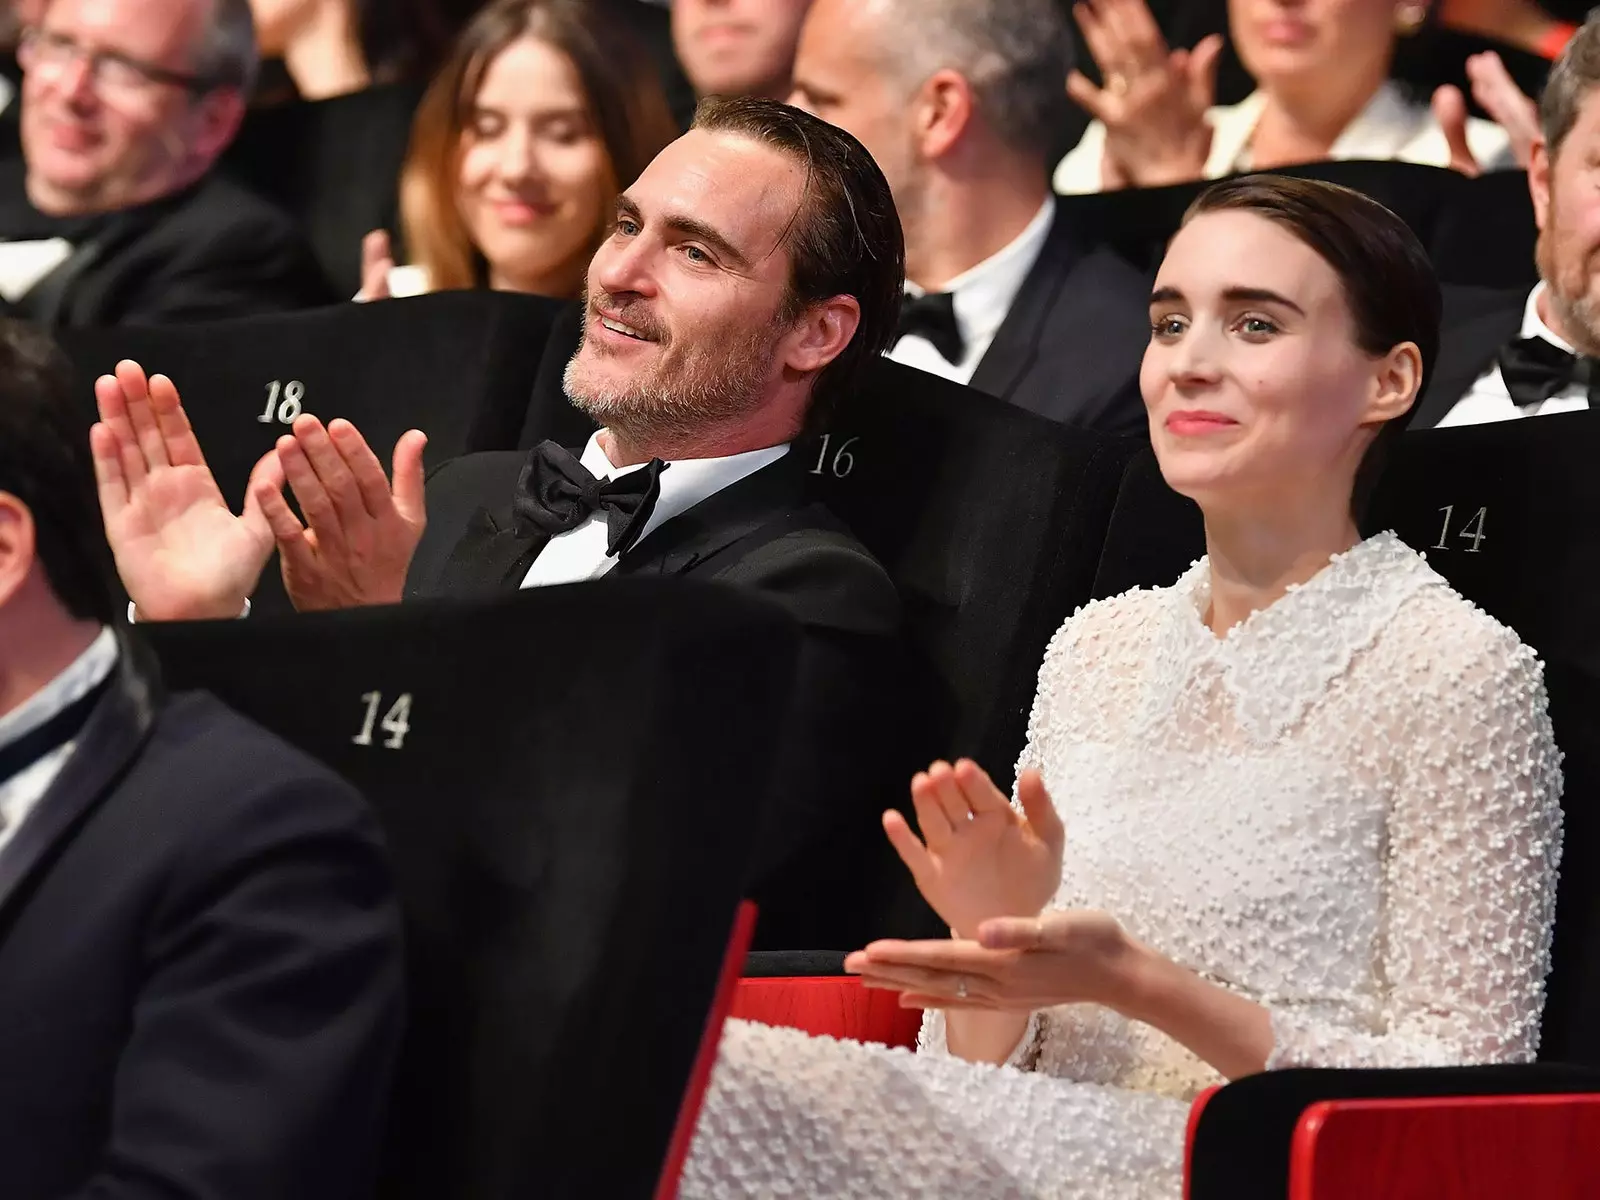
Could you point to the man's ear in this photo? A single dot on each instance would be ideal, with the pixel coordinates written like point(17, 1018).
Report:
point(941, 111)
point(16, 546)
point(1396, 383)
point(1539, 180)
point(820, 335)
point(217, 117)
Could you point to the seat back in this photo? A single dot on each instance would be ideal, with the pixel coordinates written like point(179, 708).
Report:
point(988, 518)
point(333, 165)
point(1501, 511)
point(1154, 534)
point(569, 818)
point(1485, 234)
point(459, 366)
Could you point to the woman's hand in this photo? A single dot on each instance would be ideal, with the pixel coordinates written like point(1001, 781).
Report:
point(978, 857)
point(1499, 96)
point(1016, 965)
point(377, 260)
point(1154, 101)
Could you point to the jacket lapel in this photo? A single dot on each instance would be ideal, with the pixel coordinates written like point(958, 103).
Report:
point(1016, 344)
point(490, 557)
point(1467, 348)
point(111, 739)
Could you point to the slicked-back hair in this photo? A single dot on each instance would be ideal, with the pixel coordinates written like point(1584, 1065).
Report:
point(845, 240)
point(1388, 281)
point(44, 463)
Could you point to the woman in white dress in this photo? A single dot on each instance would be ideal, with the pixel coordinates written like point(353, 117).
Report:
point(1308, 796)
point(1322, 92)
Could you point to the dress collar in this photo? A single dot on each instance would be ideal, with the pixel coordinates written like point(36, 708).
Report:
point(1379, 131)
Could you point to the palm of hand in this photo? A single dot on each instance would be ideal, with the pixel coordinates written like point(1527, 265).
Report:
point(997, 866)
point(178, 546)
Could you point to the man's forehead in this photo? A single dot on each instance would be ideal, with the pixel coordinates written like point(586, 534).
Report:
point(152, 22)
point(747, 190)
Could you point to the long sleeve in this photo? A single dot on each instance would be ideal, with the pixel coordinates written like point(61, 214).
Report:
point(1473, 847)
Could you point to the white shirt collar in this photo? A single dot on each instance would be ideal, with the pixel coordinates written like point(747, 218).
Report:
point(82, 676)
point(1533, 324)
point(983, 294)
point(686, 481)
point(1380, 130)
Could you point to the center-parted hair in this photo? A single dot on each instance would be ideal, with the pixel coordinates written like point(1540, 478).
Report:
point(845, 240)
point(1388, 281)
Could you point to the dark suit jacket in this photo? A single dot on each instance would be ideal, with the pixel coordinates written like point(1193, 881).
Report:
point(200, 967)
point(1071, 344)
point(211, 251)
point(823, 874)
point(1476, 323)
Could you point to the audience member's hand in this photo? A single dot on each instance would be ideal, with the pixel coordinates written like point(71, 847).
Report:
point(1016, 964)
point(1499, 96)
point(181, 553)
point(377, 260)
point(361, 535)
point(978, 857)
point(1154, 101)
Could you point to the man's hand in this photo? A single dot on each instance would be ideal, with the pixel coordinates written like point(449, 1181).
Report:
point(181, 553)
point(1499, 96)
point(359, 535)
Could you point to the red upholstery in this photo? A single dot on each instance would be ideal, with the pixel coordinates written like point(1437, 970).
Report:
point(834, 1005)
point(1449, 1148)
point(744, 927)
point(1195, 1110)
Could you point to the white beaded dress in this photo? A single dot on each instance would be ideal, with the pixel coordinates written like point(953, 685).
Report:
point(1346, 809)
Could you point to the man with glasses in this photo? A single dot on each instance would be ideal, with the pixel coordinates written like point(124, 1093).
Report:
point(114, 213)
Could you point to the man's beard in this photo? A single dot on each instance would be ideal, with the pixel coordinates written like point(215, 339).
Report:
point(686, 393)
point(1579, 314)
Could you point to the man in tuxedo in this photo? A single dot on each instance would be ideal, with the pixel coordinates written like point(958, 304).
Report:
point(113, 212)
point(753, 272)
point(737, 47)
point(200, 957)
point(1505, 354)
point(963, 117)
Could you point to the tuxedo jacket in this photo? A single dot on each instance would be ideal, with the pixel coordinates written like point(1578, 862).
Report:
point(863, 720)
point(200, 965)
point(1071, 343)
point(1476, 323)
point(209, 252)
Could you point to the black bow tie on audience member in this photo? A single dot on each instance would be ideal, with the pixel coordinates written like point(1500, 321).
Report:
point(932, 316)
point(1535, 370)
point(556, 492)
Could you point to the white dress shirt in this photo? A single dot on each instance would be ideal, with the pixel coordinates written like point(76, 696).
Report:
point(1391, 127)
point(20, 793)
point(580, 553)
point(1488, 400)
point(981, 296)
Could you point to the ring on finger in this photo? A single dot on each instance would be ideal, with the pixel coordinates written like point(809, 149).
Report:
point(1116, 83)
point(961, 987)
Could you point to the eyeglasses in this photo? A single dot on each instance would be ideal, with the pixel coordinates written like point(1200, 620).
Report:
point(112, 75)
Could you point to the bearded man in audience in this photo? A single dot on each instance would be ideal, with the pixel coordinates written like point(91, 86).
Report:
point(200, 951)
point(964, 115)
point(113, 213)
point(1511, 353)
point(752, 275)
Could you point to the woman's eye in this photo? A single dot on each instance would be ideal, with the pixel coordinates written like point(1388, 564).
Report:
point(1167, 327)
point(1258, 326)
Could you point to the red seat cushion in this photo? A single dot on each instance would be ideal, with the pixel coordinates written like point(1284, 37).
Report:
point(832, 1005)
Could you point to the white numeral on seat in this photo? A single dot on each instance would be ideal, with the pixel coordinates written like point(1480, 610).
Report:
point(1472, 531)
point(843, 461)
point(396, 722)
point(285, 402)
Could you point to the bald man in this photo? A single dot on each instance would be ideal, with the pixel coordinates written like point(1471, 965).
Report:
point(963, 119)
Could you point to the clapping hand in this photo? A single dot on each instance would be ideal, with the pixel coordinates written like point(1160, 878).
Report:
point(359, 536)
point(1499, 96)
point(978, 857)
point(181, 553)
point(377, 260)
point(1154, 101)
point(1016, 964)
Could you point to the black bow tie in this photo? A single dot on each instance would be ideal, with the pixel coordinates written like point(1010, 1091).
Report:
point(60, 729)
point(1535, 370)
point(556, 492)
point(932, 316)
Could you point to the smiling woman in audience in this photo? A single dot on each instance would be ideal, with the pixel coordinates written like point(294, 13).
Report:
point(544, 112)
point(1308, 795)
point(1322, 92)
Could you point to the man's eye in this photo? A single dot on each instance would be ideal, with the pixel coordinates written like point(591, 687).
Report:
point(626, 227)
point(696, 255)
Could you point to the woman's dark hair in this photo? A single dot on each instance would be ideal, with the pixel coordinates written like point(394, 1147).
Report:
point(1388, 281)
point(845, 240)
point(44, 462)
point(620, 84)
point(404, 39)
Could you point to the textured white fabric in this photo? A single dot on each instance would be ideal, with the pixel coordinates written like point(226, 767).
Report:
point(981, 297)
point(1391, 127)
point(1488, 400)
point(21, 794)
point(1346, 809)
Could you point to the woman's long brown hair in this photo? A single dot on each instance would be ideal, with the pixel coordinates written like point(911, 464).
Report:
point(621, 86)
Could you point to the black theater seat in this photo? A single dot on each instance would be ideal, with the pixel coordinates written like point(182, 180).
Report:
point(569, 818)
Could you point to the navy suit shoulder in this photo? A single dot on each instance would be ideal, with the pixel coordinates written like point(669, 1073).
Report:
point(201, 976)
point(1071, 344)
